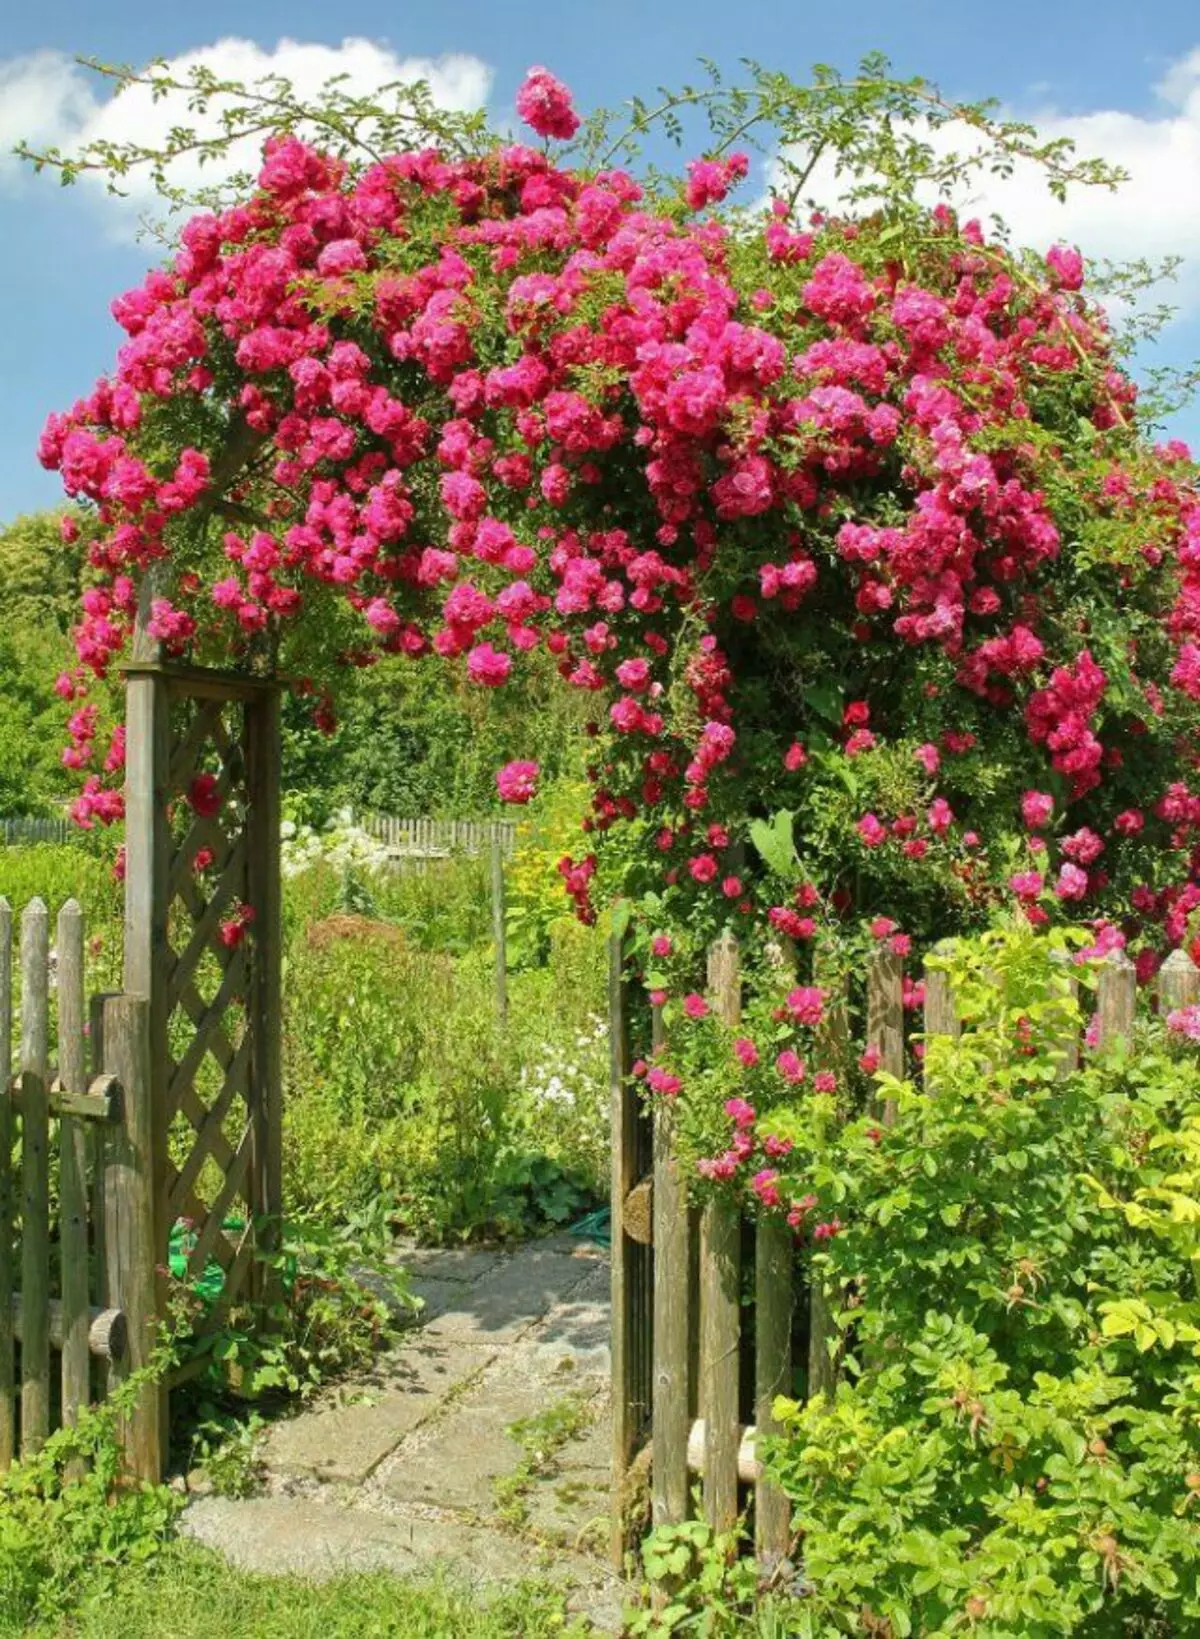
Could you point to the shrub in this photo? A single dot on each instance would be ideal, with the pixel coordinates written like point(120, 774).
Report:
point(63, 1536)
point(1005, 1455)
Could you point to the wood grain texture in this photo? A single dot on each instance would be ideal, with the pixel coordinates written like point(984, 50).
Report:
point(35, 1176)
point(74, 1148)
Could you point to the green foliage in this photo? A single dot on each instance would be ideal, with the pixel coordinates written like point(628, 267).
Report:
point(534, 896)
point(328, 1308)
point(229, 1451)
point(995, 1459)
point(404, 1090)
point(40, 584)
point(540, 1439)
point(187, 1592)
point(61, 1536)
point(706, 1588)
point(416, 739)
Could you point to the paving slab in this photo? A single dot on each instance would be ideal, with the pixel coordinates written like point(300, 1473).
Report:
point(443, 1263)
point(458, 1463)
point(278, 1536)
point(504, 1305)
point(344, 1438)
point(578, 1328)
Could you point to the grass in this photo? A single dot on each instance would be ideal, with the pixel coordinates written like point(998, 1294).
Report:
point(188, 1592)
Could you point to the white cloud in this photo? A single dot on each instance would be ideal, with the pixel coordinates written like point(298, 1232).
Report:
point(1155, 214)
point(47, 99)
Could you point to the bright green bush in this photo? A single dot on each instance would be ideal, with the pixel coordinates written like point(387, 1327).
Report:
point(997, 1460)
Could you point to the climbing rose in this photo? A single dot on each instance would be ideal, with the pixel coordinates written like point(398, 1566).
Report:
point(204, 796)
point(1036, 809)
point(544, 103)
point(517, 782)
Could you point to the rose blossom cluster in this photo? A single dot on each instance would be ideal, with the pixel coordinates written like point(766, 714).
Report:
point(472, 407)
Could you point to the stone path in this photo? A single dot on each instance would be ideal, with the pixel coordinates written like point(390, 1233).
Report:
point(412, 1465)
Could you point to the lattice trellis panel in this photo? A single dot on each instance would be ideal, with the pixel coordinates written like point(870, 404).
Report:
point(202, 942)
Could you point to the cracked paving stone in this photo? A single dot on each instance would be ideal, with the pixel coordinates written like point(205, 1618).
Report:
point(344, 1439)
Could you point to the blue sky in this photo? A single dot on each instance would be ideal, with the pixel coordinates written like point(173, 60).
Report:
point(1127, 88)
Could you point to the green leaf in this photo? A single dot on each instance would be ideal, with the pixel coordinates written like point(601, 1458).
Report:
point(775, 842)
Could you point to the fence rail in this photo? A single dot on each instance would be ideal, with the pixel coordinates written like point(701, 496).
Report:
point(696, 1367)
point(64, 1293)
point(434, 838)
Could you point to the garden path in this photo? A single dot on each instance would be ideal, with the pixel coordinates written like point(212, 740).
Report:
point(412, 1465)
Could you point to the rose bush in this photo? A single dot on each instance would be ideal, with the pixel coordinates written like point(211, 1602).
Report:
point(843, 519)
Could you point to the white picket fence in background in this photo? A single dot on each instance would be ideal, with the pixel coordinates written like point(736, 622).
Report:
point(440, 839)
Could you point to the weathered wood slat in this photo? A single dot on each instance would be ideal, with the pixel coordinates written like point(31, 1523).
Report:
point(1116, 999)
point(130, 1234)
point(720, 1290)
point(230, 885)
point(73, 1166)
point(773, 1283)
point(669, 1494)
point(187, 748)
point(206, 1027)
point(7, 1201)
point(35, 1176)
point(628, 1410)
point(264, 997)
point(212, 1230)
point(1178, 982)
point(138, 1149)
point(885, 1016)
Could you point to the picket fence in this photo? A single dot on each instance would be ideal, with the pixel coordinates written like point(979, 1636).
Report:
point(28, 828)
point(440, 839)
point(697, 1370)
point(76, 1284)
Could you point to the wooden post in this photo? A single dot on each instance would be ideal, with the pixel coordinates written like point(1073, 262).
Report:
point(73, 1167)
point(627, 1413)
point(498, 931)
point(1117, 998)
point(7, 1406)
point(1178, 983)
point(130, 1238)
point(941, 1014)
point(35, 1177)
point(885, 1016)
point(147, 894)
point(263, 820)
point(669, 1493)
point(720, 1292)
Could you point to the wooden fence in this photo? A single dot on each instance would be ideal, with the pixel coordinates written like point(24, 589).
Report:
point(76, 1284)
point(700, 1354)
point(440, 839)
point(26, 828)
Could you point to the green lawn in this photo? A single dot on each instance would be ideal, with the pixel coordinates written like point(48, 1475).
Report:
point(190, 1593)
